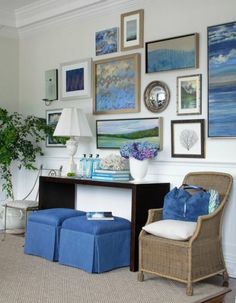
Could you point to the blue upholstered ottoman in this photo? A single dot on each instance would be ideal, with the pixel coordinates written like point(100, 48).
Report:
point(43, 231)
point(95, 245)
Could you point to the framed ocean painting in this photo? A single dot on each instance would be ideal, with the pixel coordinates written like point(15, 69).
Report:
point(106, 41)
point(111, 134)
point(222, 80)
point(116, 85)
point(132, 28)
point(172, 53)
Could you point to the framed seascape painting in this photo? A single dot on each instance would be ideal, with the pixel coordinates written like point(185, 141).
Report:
point(131, 25)
point(106, 41)
point(111, 134)
point(117, 85)
point(188, 138)
point(52, 117)
point(189, 95)
point(75, 79)
point(172, 53)
point(222, 80)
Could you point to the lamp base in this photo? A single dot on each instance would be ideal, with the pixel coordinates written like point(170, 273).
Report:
point(71, 146)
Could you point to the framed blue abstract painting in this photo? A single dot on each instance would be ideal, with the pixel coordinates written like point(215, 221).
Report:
point(173, 53)
point(75, 79)
point(106, 41)
point(222, 80)
point(116, 85)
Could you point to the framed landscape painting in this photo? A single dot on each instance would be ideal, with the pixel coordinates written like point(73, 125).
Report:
point(189, 95)
point(106, 41)
point(52, 117)
point(188, 138)
point(172, 53)
point(75, 79)
point(222, 80)
point(117, 85)
point(111, 134)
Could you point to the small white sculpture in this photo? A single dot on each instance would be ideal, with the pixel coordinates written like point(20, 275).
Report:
point(114, 162)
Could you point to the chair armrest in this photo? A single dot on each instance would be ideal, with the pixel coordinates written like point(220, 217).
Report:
point(154, 215)
point(208, 227)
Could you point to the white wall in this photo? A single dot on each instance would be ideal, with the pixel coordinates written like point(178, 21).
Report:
point(45, 48)
point(9, 71)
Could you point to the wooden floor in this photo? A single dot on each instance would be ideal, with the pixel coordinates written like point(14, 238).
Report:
point(229, 297)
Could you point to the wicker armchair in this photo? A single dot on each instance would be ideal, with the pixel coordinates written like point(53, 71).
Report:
point(198, 258)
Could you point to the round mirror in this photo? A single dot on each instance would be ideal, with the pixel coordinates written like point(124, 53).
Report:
point(156, 96)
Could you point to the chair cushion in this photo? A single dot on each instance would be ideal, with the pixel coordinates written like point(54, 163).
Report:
point(54, 216)
point(179, 204)
point(22, 204)
point(171, 229)
point(96, 227)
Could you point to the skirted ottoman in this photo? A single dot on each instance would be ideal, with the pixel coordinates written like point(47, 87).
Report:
point(95, 245)
point(43, 231)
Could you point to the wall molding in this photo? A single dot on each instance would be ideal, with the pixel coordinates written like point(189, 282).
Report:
point(46, 13)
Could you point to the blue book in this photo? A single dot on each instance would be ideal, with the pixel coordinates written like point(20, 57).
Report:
point(111, 175)
point(111, 172)
point(110, 178)
point(99, 215)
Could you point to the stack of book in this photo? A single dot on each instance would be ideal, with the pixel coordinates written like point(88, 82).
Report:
point(111, 175)
point(99, 215)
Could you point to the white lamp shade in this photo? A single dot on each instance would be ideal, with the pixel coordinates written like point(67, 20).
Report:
point(72, 123)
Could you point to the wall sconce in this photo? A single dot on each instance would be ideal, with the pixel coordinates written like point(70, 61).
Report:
point(51, 86)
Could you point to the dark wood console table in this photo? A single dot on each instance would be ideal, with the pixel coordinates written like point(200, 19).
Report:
point(61, 192)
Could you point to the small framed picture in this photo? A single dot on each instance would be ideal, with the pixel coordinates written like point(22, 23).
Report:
point(106, 41)
point(75, 79)
point(52, 117)
point(189, 95)
point(188, 138)
point(131, 25)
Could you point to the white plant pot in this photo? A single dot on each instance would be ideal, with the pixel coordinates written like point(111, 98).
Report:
point(138, 168)
point(15, 219)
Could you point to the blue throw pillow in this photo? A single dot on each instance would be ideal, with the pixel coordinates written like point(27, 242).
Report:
point(179, 204)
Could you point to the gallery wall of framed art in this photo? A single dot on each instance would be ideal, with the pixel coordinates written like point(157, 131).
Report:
point(198, 92)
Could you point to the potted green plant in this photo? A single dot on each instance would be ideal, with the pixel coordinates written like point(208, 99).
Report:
point(20, 139)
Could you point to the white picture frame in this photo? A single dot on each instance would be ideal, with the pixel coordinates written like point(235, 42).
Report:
point(75, 79)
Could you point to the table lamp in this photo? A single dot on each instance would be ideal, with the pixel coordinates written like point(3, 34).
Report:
point(72, 123)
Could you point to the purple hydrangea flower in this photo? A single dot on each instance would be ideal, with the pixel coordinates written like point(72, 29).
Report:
point(138, 150)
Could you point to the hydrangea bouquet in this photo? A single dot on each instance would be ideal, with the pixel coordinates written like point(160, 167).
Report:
point(138, 150)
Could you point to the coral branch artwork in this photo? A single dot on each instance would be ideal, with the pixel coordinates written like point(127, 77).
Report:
point(187, 138)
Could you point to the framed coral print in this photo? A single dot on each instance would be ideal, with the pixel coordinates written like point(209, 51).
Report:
point(52, 117)
point(75, 79)
point(172, 53)
point(116, 85)
point(188, 138)
point(106, 41)
point(131, 25)
point(189, 95)
point(222, 80)
point(111, 134)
